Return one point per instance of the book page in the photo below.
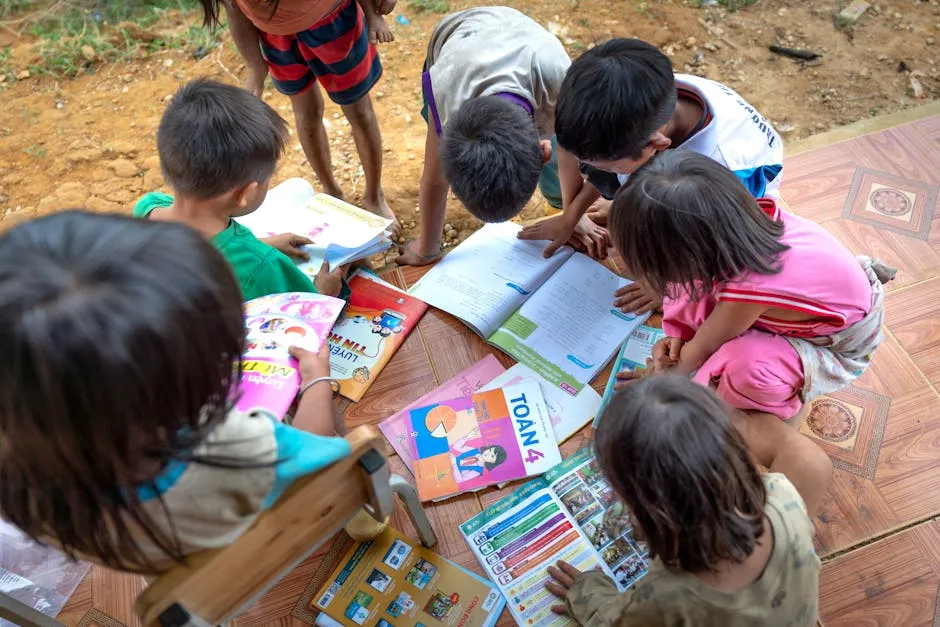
(632, 356)
(488, 276)
(392, 581)
(569, 329)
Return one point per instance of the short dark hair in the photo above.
(614, 97)
(121, 342)
(668, 448)
(683, 222)
(215, 137)
(491, 157)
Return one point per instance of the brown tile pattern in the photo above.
(879, 530)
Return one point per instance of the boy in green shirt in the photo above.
(218, 148)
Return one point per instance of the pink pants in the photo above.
(756, 370)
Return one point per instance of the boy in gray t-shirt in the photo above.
(490, 82)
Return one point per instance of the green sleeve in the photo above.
(276, 275)
(594, 601)
(151, 201)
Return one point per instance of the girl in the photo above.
(728, 545)
(766, 306)
(118, 439)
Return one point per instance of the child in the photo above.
(122, 338)
(619, 105)
(303, 42)
(491, 79)
(728, 545)
(220, 170)
(766, 306)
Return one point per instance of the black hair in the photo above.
(668, 448)
(491, 157)
(215, 137)
(121, 343)
(500, 455)
(212, 11)
(614, 98)
(683, 222)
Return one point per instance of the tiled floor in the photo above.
(879, 532)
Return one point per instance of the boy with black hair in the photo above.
(491, 79)
(218, 147)
(618, 106)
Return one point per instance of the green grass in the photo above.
(430, 6)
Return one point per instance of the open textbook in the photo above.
(570, 513)
(632, 356)
(554, 315)
(273, 324)
(464, 444)
(392, 582)
(341, 232)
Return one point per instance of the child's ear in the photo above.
(245, 194)
(659, 141)
(546, 147)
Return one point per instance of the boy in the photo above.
(303, 42)
(729, 545)
(219, 170)
(619, 105)
(491, 79)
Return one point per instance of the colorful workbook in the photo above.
(341, 233)
(274, 323)
(468, 443)
(570, 513)
(465, 383)
(369, 331)
(632, 356)
(392, 582)
(555, 315)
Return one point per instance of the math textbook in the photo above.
(468, 443)
(274, 323)
(369, 331)
(555, 315)
(393, 582)
(570, 513)
(632, 356)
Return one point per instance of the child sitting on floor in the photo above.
(218, 148)
(121, 341)
(766, 306)
(728, 545)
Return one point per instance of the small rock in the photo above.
(124, 168)
(851, 13)
(882, 57)
(782, 11)
(88, 52)
(408, 118)
(167, 98)
(380, 94)
(785, 128)
(690, 42)
(448, 227)
(711, 47)
(22, 74)
(168, 63)
(930, 41)
(59, 105)
(336, 116)
(125, 89)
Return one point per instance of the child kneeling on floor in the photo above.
(121, 341)
(767, 307)
(728, 545)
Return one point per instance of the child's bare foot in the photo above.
(379, 32)
(385, 6)
(379, 207)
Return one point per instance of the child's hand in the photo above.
(592, 237)
(330, 283)
(666, 353)
(599, 211)
(289, 244)
(635, 298)
(563, 575)
(255, 81)
(626, 377)
(311, 365)
(558, 229)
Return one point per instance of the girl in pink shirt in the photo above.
(766, 307)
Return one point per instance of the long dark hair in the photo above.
(119, 338)
(683, 222)
(668, 448)
(212, 11)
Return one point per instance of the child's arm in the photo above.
(432, 203)
(245, 36)
(316, 410)
(727, 321)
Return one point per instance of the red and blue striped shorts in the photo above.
(336, 51)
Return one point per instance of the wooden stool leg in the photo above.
(419, 518)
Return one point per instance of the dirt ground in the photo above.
(90, 141)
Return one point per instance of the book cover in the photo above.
(464, 383)
(369, 331)
(632, 356)
(393, 582)
(491, 437)
(269, 378)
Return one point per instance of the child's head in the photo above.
(118, 339)
(613, 104)
(492, 456)
(684, 222)
(669, 450)
(217, 140)
(492, 157)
